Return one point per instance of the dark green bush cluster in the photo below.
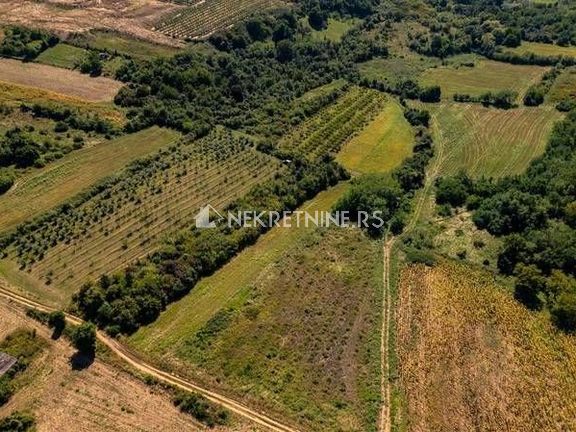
(535, 213)
(71, 118)
(201, 409)
(18, 422)
(504, 99)
(6, 181)
(405, 89)
(25, 43)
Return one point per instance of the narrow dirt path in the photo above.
(133, 360)
(441, 155)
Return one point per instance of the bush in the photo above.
(431, 94)
(84, 338)
(6, 181)
(201, 409)
(17, 422)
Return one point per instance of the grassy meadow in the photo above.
(564, 87)
(543, 49)
(490, 142)
(486, 75)
(63, 56)
(336, 29)
(382, 145)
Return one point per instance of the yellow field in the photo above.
(485, 76)
(63, 81)
(14, 95)
(490, 142)
(43, 189)
(543, 49)
(227, 287)
(472, 358)
(382, 145)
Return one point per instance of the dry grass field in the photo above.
(472, 358)
(57, 80)
(102, 397)
(490, 142)
(382, 145)
(132, 17)
(564, 88)
(485, 76)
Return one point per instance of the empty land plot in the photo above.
(490, 142)
(303, 341)
(336, 29)
(62, 56)
(209, 16)
(485, 76)
(382, 145)
(101, 397)
(67, 82)
(43, 189)
(129, 218)
(543, 49)
(472, 358)
(395, 69)
(328, 130)
(564, 88)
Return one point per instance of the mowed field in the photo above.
(485, 76)
(101, 397)
(382, 145)
(473, 358)
(43, 189)
(63, 56)
(67, 82)
(129, 218)
(203, 18)
(490, 142)
(543, 49)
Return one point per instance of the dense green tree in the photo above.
(84, 338)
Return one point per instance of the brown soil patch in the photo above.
(132, 17)
(58, 80)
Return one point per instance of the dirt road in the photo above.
(133, 360)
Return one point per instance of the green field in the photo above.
(543, 49)
(335, 30)
(62, 55)
(564, 87)
(43, 189)
(332, 127)
(395, 69)
(485, 76)
(490, 142)
(116, 43)
(321, 91)
(248, 329)
(382, 145)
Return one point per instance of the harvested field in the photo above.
(472, 358)
(382, 145)
(101, 397)
(131, 17)
(62, 56)
(66, 82)
(490, 142)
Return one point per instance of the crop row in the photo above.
(334, 126)
(205, 18)
(128, 220)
